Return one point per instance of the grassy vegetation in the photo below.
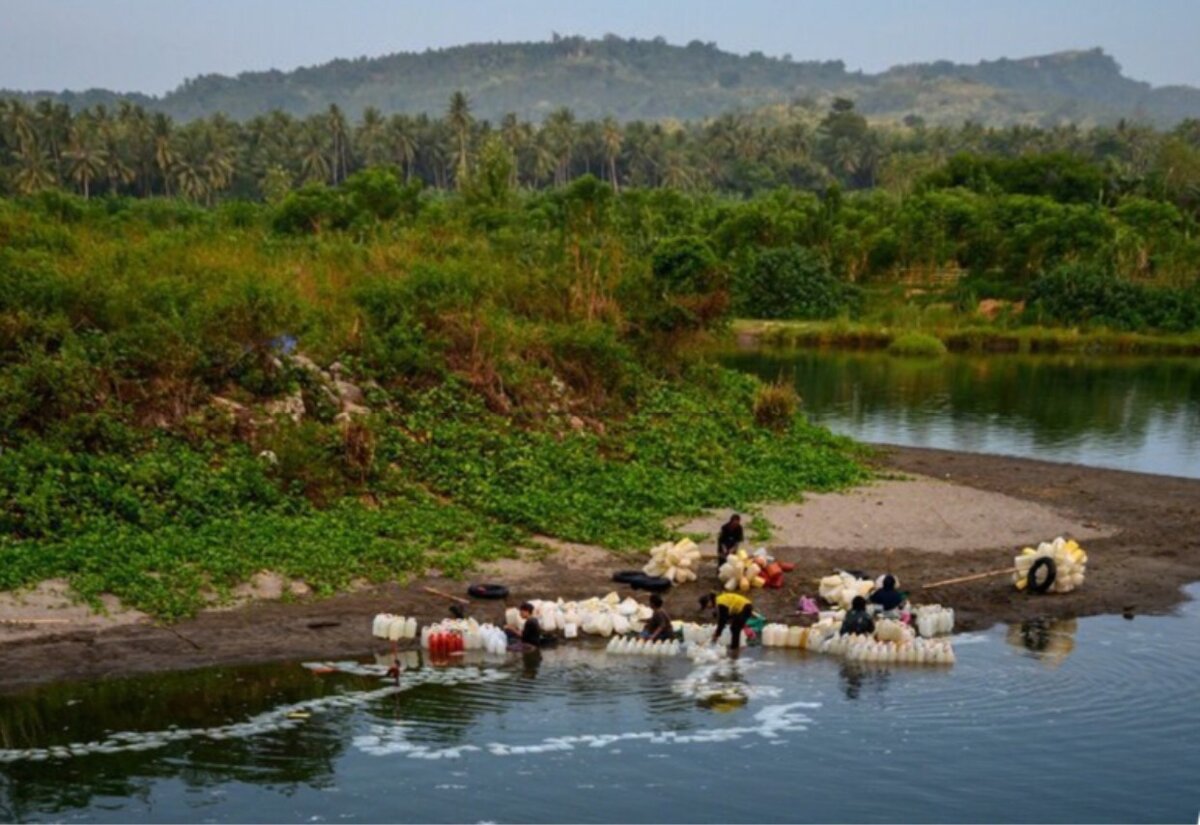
(523, 369)
(917, 345)
(971, 336)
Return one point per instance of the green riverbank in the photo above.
(840, 334)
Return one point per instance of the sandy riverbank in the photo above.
(956, 514)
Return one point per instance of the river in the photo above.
(1070, 721)
(1128, 413)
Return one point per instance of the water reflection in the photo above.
(1052, 640)
(1131, 413)
(857, 676)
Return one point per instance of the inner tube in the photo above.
(626, 576)
(488, 591)
(653, 584)
(1036, 586)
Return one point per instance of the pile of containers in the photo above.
(741, 572)
(842, 587)
(677, 562)
(644, 647)
(1070, 563)
(394, 628)
(455, 635)
(934, 620)
(605, 616)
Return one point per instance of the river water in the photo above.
(1129, 413)
(1092, 721)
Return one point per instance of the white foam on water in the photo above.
(772, 722)
(270, 721)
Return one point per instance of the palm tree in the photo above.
(458, 116)
(371, 137)
(339, 143)
(85, 159)
(560, 132)
(161, 130)
(611, 138)
(314, 153)
(402, 143)
(34, 170)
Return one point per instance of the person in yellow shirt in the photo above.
(733, 609)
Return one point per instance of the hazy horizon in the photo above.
(151, 47)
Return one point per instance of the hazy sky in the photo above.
(152, 45)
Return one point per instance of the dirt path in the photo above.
(968, 513)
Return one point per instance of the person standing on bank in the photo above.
(730, 537)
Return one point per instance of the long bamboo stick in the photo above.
(972, 578)
(444, 595)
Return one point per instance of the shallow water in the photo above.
(1094, 720)
(1130, 413)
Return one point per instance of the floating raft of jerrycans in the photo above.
(892, 642)
(644, 647)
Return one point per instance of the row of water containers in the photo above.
(394, 628)
(920, 651)
(934, 620)
(825, 637)
(644, 647)
(475, 636)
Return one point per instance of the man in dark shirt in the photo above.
(659, 628)
(530, 632)
(857, 620)
(730, 537)
(887, 597)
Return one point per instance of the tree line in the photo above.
(129, 151)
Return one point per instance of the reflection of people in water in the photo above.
(531, 660)
(857, 675)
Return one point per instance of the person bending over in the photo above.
(733, 609)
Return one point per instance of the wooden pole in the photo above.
(35, 621)
(435, 592)
(975, 577)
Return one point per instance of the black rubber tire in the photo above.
(651, 584)
(1033, 584)
(626, 576)
(487, 591)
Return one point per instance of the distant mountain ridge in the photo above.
(654, 80)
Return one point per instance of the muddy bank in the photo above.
(966, 514)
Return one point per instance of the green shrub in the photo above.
(1088, 294)
(791, 282)
(917, 345)
(775, 405)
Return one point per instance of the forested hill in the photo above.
(654, 80)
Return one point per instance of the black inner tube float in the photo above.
(653, 584)
(1036, 585)
(626, 576)
(487, 591)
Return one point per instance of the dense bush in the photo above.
(1090, 295)
(791, 282)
